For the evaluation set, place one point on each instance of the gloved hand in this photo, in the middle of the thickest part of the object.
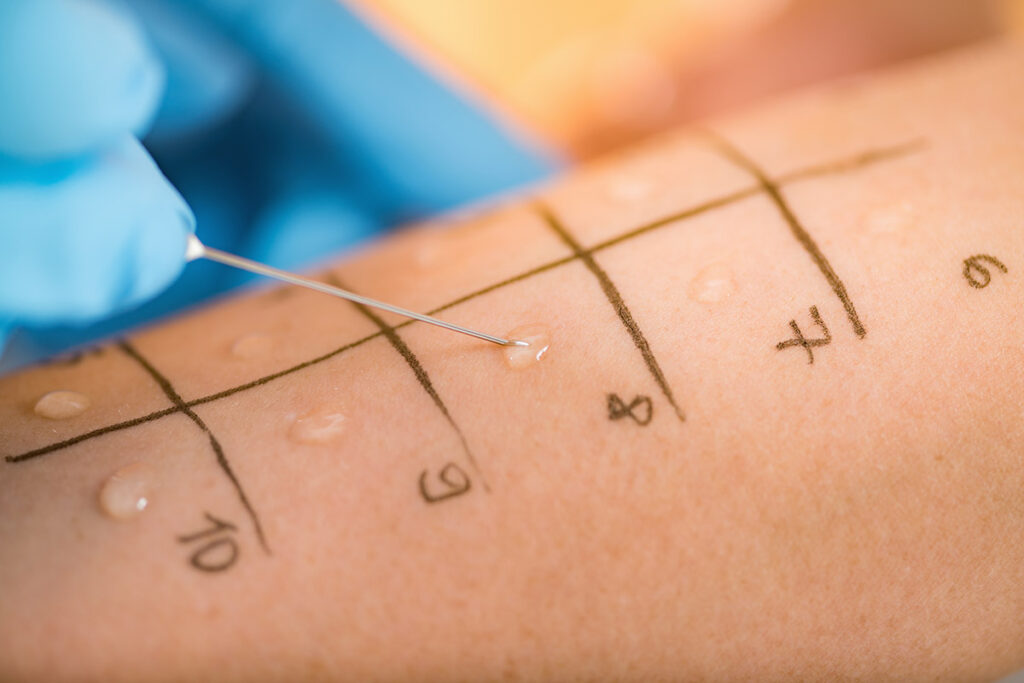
(88, 224)
(290, 127)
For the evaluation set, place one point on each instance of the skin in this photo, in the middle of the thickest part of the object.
(856, 518)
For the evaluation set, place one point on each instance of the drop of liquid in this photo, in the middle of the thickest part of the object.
(626, 189)
(252, 345)
(890, 219)
(427, 254)
(60, 405)
(127, 492)
(712, 284)
(320, 426)
(539, 339)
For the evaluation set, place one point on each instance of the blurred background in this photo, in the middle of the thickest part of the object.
(257, 140)
(590, 75)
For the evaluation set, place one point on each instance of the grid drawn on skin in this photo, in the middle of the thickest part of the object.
(611, 292)
(402, 348)
(796, 227)
(222, 461)
(844, 165)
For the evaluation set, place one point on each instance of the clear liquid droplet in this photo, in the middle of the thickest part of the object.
(60, 405)
(428, 254)
(538, 338)
(712, 284)
(252, 345)
(127, 492)
(320, 426)
(623, 188)
(890, 219)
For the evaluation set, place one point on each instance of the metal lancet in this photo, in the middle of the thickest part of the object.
(196, 250)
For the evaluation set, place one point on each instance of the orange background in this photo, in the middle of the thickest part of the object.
(587, 75)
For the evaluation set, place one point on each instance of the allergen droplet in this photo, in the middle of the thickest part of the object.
(127, 492)
(60, 405)
(323, 425)
(890, 219)
(252, 345)
(539, 339)
(712, 285)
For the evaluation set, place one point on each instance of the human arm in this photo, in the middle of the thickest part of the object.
(854, 517)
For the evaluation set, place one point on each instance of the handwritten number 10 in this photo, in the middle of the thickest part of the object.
(219, 552)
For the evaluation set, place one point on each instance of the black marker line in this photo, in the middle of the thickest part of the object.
(867, 158)
(857, 162)
(800, 340)
(219, 525)
(551, 265)
(615, 299)
(222, 460)
(863, 159)
(156, 415)
(841, 166)
(974, 263)
(66, 443)
(417, 368)
(636, 232)
(618, 409)
(692, 212)
(445, 479)
(282, 373)
(798, 230)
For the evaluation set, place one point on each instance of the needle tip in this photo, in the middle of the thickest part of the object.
(516, 342)
(194, 248)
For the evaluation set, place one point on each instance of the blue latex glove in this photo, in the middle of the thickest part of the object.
(291, 128)
(88, 224)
